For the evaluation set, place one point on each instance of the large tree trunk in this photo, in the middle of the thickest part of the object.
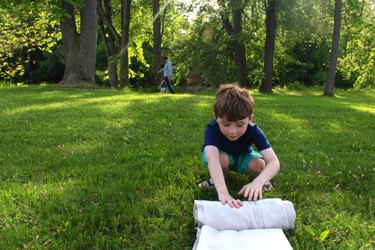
(80, 49)
(157, 42)
(70, 41)
(330, 82)
(124, 54)
(269, 48)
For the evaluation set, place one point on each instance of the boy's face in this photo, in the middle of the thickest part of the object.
(233, 129)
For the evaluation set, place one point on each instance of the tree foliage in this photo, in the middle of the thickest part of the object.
(196, 39)
(358, 62)
(24, 30)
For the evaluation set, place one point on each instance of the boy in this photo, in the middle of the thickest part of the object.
(227, 146)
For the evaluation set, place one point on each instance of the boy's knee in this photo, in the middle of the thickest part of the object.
(224, 161)
(256, 166)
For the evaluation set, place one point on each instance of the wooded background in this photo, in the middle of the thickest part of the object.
(259, 44)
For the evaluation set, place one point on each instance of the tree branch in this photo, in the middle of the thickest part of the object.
(108, 22)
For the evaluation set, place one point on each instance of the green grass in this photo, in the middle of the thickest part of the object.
(107, 169)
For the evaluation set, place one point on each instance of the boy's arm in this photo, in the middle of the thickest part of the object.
(216, 173)
(253, 190)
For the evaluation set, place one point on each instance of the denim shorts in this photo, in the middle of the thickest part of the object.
(238, 164)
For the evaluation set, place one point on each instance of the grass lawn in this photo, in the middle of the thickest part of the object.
(107, 169)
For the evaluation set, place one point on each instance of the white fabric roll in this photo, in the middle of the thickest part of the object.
(261, 214)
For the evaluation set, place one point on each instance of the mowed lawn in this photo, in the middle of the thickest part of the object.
(110, 169)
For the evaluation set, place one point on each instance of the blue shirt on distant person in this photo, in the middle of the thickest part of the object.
(167, 70)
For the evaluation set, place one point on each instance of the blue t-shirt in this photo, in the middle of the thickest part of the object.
(242, 145)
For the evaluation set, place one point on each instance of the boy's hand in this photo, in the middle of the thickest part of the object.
(226, 198)
(252, 191)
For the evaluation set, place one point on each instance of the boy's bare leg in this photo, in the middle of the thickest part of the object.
(255, 167)
(224, 162)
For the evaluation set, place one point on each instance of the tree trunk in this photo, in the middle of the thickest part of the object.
(80, 49)
(70, 42)
(239, 47)
(112, 66)
(106, 15)
(108, 36)
(124, 54)
(269, 48)
(330, 82)
(157, 42)
(88, 40)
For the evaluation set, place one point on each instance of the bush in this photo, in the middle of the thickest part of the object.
(296, 85)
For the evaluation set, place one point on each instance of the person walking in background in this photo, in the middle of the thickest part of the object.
(167, 73)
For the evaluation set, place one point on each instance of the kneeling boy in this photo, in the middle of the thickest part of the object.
(228, 146)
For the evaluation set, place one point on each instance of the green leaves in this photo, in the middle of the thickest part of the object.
(309, 230)
(324, 235)
(24, 29)
(358, 63)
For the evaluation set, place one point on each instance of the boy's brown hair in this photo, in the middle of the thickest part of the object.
(233, 103)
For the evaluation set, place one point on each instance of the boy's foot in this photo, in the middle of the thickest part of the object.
(207, 184)
(267, 187)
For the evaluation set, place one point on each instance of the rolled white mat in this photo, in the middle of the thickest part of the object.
(261, 214)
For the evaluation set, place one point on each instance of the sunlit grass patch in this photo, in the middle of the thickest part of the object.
(109, 169)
